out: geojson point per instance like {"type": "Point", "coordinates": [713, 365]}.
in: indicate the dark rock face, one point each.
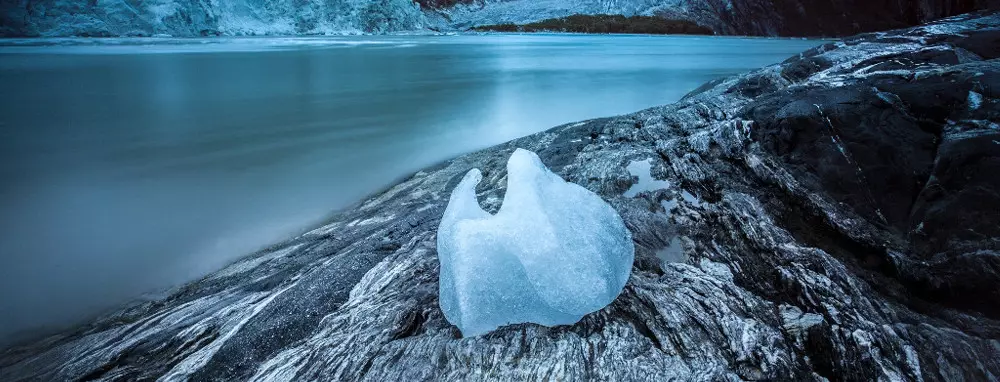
{"type": "Point", "coordinates": [912, 153]}
{"type": "Point", "coordinates": [836, 218]}
{"type": "Point", "coordinates": [839, 17]}
{"type": "Point", "coordinates": [605, 24]}
{"type": "Point", "coordinates": [817, 17]}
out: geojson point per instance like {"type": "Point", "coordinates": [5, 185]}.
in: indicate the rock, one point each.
{"type": "Point", "coordinates": [837, 216]}
{"type": "Point", "coordinates": [838, 17]}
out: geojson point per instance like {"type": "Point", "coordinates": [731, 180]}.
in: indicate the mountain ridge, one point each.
{"type": "Point", "coordinates": [186, 18]}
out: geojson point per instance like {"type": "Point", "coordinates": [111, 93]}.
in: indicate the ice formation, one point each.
{"type": "Point", "coordinates": [186, 18]}
{"type": "Point", "coordinates": [552, 254]}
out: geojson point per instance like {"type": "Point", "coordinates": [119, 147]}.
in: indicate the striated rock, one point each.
{"type": "Point", "coordinates": [836, 216]}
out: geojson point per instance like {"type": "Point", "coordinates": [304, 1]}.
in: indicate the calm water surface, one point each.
{"type": "Point", "coordinates": [130, 166]}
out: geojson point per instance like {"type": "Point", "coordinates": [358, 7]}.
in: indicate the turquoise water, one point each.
{"type": "Point", "coordinates": [134, 165]}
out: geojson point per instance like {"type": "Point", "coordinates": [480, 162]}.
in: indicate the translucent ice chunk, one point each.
{"type": "Point", "coordinates": [552, 254]}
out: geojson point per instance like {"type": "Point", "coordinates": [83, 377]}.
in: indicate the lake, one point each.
{"type": "Point", "coordinates": [133, 165]}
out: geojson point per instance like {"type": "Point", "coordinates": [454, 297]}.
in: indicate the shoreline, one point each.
{"type": "Point", "coordinates": [26, 41]}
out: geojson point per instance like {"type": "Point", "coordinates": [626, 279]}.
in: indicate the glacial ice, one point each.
{"type": "Point", "coordinates": [186, 18]}
{"type": "Point", "coordinates": [553, 253]}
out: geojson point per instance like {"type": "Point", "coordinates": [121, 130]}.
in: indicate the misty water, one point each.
{"type": "Point", "coordinates": [130, 166]}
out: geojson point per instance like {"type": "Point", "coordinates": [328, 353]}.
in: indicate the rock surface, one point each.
{"type": "Point", "coordinates": [833, 217]}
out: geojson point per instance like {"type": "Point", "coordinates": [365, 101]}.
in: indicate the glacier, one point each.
{"type": "Point", "coordinates": [186, 18]}
{"type": "Point", "coordinates": [553, 253]}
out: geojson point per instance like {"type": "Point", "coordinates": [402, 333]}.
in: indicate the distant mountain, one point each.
{"type": "Point", "coordinates": [315, 17]}
{"type": "Point", "coordinates": [730, 17]}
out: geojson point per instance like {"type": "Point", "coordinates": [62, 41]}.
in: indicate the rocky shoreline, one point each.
{"type": "Point", "coordinates": [833, 217]}
{"type": "Point", "coordinates": [603, 24]}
